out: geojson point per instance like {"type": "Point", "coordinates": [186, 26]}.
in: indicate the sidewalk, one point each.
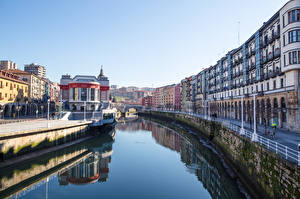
{"type": "Point", "coordinates": [285, 137]}
{"type": "Point", "coordinates": [38, 124]}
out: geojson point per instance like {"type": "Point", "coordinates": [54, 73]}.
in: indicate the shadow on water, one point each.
{"type": "Point", "coordinates": [94, 152]}
{"type": "Point", "coordinates": [199, 158]}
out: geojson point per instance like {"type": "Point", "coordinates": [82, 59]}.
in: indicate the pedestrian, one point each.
{"type": "Point", "coordinates": [265, 127]}
{"type": "Point", "coordinates": [274, 129]}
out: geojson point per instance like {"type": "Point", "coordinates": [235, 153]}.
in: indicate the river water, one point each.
{"type": "Point", "coordinates": [142, 160]}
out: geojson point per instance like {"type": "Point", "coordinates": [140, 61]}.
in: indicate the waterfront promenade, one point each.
{"type": "Point", "coordinates": [285, 144]}
{"type": "Point", "coordinates": [288, 138]}
{"type": "Point", "coordinates": [35, 125]}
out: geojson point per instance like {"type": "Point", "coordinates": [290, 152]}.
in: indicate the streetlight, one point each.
{"type": "Point", "coordinates": [254, 135]}
{"type": "Point", "coordinates": [84, 110]}
{"type": "Point", "coordinates": [48, 102]}
{"type": "Point", "coordinates": [18, 109]}
{"type": "Point", "coordinates": [242, 131]}
{"type": "Point", "coordinates": [42, 107]}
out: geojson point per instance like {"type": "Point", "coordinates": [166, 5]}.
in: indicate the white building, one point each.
{"type": "Point", "coordinates": [84, 90]}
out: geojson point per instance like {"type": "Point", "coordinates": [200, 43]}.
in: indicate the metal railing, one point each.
{"type": "Point", "coordinates": [283, 151]}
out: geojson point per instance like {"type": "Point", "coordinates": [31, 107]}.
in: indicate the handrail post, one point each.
{"type": "Point", "coordinates": [276, 147]}
{"type": "Point", "coordinates": [268, 143]}
{"type": "Point", "coordinates": [286, 152]}
{"type": "Point", "coordinates": [298, 158]}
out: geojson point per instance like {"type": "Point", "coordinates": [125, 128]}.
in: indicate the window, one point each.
{"type": "Point", "coordinates": [267, 86]}
{"type": "Point", "coordinates": [284, 62]}
{"type": "Point", "coordinates": [1, 84]}
{"type": "Point", "coordinates": [83, 94]}
{"type": "Point", "coordinates": [294, 16]}
{"type": "Point", "coordinates": [294, 36]}
{"type": "Point", "coordinates": [284, 40]}
{"type": "Point", "coordinates": [274, 84]}
{"type": "Point", "coordinates": [74, 94]}
{"type": "Point", "coordinates": [256, 88]}
{"type": "Point", "coordinates": [0, 95]}
{"type": "Point", "coordinates": [92, 94]}
{"type": "Point", "coordinates": [261, 87]}
{"type": "Point", "coordinates": [281, 82]}
{"type": "Point", "coordinates": [294, 57]}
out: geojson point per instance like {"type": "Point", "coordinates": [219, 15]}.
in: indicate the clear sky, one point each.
{"type": "Point", "coordinates": [139, 42]}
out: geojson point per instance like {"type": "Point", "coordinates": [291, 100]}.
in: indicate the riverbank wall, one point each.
{"type": "Point", "coordinates": [263, 173]}
{"type": "Point", "coordinates": [19, 143]}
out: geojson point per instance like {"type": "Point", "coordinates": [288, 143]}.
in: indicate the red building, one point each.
{"type": "Point", "coordinates": [147, 101]}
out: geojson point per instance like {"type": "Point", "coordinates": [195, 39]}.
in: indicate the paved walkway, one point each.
{"type": "Point", "coordinates": [37, 124]}
{"type": "Point", "coordinates": [285, 137]}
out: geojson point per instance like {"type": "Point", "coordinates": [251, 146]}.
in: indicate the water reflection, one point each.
{"type": "Point", "coordinates": [82, 163]}
{"type": "Point", "coordinates": [198, 159]}
{"type": "Point", "coordinates": [90, 165]}
{"type": "Point", "coordinates": [90, 169]}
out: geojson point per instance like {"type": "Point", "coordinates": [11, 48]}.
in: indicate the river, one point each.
{"type": "Point", "coordinates": [142, 160]}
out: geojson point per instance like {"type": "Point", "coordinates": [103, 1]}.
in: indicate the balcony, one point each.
{"type": "Point", "coordinates": [260, 94]}
{"type": "Point", "coordinates": [270, 57]}
{"type": "Point", "coordinates": [277, 53]}
{"type": "Point", "coordinates": [272, 39]}
{"type": "Point", "coordinates": [265, 44]}
{"type": "Point", "coordinates": [277, 35]}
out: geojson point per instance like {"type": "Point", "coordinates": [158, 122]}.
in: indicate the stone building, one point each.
{"type": "Point", "coordinates": [266, 66]}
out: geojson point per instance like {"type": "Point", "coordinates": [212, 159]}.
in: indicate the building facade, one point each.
{"type": "Point", "coordinates": [37, 85]}
{"type": "Point", "coordinates": [8, 65]}
{"type": "Point", "coordinates": [266, 68]}
{"type": "Point", "coordinates": [36, 69]}
{"type": "Point", "coordinates": [84, 92]}
{"type": "Point", "coordinates": [13, 93]}
{"type": "Point", "coordinates": [147, 101]}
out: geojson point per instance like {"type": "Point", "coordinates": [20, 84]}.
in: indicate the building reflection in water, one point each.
{"type": "Point", "coordinates": [198, 159]}
{"type": "Point", "coordinates": [90, 169]}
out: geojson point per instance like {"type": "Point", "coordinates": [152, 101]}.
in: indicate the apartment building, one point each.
{"type": "Point", "coordinates": [37, 85]}
{"type": "Point", "coordinates": [36, 69]}
{"type": "Point", "coordinates": [266, 68]}
{"type": "Point", "coordinates": [8, 65]}
{"type": "Point", "coordinates": [13, 94]}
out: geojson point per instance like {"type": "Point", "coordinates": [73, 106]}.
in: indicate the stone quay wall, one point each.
{"type": "Point", "coordinates": [263, 172]}
{"type": "Point", "coordinates": [16, 144]}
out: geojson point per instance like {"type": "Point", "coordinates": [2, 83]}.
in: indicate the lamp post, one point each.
{"type": "Point", "coordinates": [18, 109]}
{"type": "Point", "coordinates": [242, 131]}
{"type": "Point", "coordinates": [48, 116]}
{"type": "Point", "coordinates": [42, 107]}
{"type": "Point", "coordinates": [254, 135]}
{"type": "Point", "coordinates": [84, 110]}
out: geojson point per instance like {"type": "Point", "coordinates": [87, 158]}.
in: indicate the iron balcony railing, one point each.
{"type": "Point", "coordinates": [281, 150]}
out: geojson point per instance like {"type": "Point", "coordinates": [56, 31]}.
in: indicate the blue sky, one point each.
{"type": "Point", "coordinates": [139, 42]}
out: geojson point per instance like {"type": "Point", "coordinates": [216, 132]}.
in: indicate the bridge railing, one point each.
{"type": "Point", "coordinates": [283, 151]}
